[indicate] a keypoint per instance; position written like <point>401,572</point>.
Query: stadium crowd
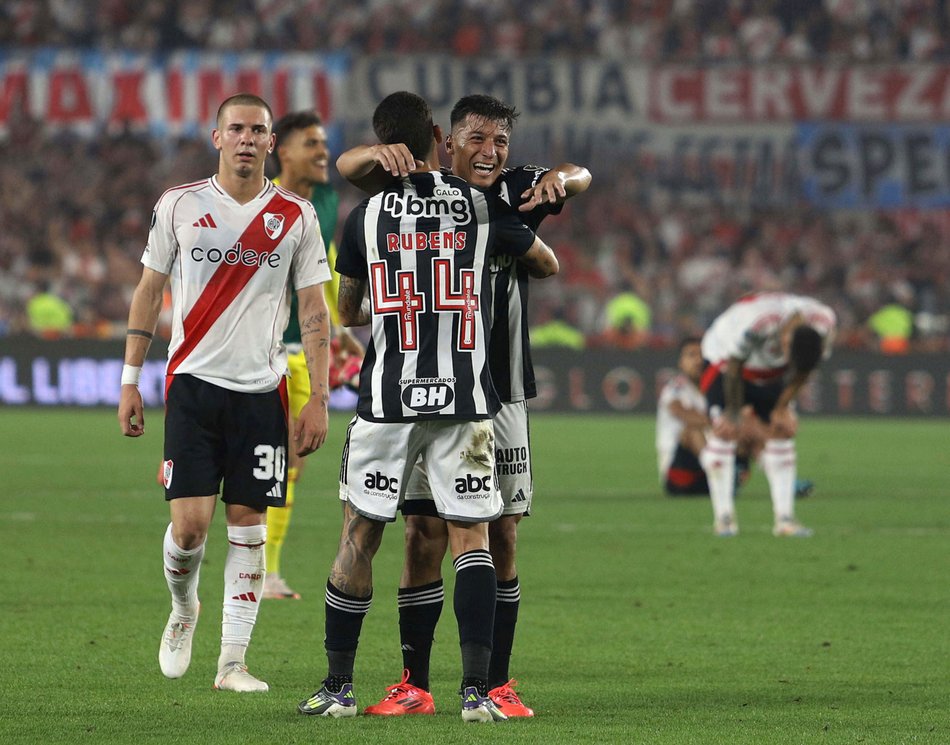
<point>641,264</point>
<point>647,30</point>
<point>75,215</point>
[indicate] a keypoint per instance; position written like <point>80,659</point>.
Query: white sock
<point>181,574</point>
<point>243,586</point>
<point>779,465</point>
<point>718,460</point>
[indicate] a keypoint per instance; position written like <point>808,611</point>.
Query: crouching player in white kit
<point>681,424</point>
<point>422,248</point>
<point>235,246</point>
<point>760,351</point>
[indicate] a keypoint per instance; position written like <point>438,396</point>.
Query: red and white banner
<point>176,94</point>
<point>918,93</point>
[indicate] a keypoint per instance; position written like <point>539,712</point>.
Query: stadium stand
<point>75,210</point>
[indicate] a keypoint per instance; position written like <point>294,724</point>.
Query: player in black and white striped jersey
<point>421,248</point>
<point>478,145</point>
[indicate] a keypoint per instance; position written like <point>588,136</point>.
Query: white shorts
<point>458,459</point>
<point>512,465</point>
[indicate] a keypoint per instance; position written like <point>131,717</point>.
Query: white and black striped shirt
<point>423,244</point>
<point>509,355</point>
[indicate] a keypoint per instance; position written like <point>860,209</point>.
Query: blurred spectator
<point>48,314</point>
<point>893,326</point>
<point>554,330</point>
<point>627,321</point>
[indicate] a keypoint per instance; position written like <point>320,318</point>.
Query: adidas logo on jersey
<point>205,222</point>
<point>276,492</point>
<point>519,496</point>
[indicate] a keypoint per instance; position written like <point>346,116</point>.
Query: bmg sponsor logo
<point>410,205</point>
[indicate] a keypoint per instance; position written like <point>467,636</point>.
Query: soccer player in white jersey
<point>681,424</point>
<point>760,352</point>
<point>234,246</point>
<point>478,147</point>
<point>422,249</point>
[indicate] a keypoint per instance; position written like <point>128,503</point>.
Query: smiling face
<point>243,138</point>
<point>305,155</point>
<point>479,149</point>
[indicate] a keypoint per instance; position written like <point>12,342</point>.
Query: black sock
<point>475,589</point>
<point>344,621</point>
<point>419,611</point>
<point>506,618</point>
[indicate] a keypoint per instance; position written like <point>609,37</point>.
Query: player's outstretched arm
<point>143,318</point>
<point>311,427</point>
<point>372,168</point>
<point>540,260</point>
<point>556,186</point>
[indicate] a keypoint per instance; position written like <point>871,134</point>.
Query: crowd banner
<point>164,94</point>
<point>837,136</point>
<point>86,373</point>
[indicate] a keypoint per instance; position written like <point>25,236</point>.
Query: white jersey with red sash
<point>232,268</point>
<point>750,330</point>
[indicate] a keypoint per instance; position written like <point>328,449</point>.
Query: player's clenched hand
<point>131,412</point>
<point>550,189</point>
<point>311,427</point>
<point>395,159</point>
<point>783,422</point>
<point>724,428</point>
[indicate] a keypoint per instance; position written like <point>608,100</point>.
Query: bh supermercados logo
<point>273,225</point>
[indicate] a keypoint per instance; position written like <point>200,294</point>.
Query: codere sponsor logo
<point>410,205</point>
<point>237,254</point>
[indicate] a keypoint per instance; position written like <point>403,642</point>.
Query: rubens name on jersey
<point>431,241</point>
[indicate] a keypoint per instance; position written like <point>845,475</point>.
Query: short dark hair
<point>243,99</point>
<point>688,341</point>
<point>292,122</point>
<point>407,118</point>
<point>806,349</point>
<point>487,107</point>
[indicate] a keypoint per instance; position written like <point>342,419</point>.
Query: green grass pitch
<point>637,624</point>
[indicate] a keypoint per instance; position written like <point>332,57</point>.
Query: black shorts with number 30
<point>213,434</point>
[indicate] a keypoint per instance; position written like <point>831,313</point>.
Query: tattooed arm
<point>352,302</point>
<point>311,427</point>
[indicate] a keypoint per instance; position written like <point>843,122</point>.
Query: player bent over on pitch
<point>760,352</point>
<point>234,246</point>
<point>425,391</point>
